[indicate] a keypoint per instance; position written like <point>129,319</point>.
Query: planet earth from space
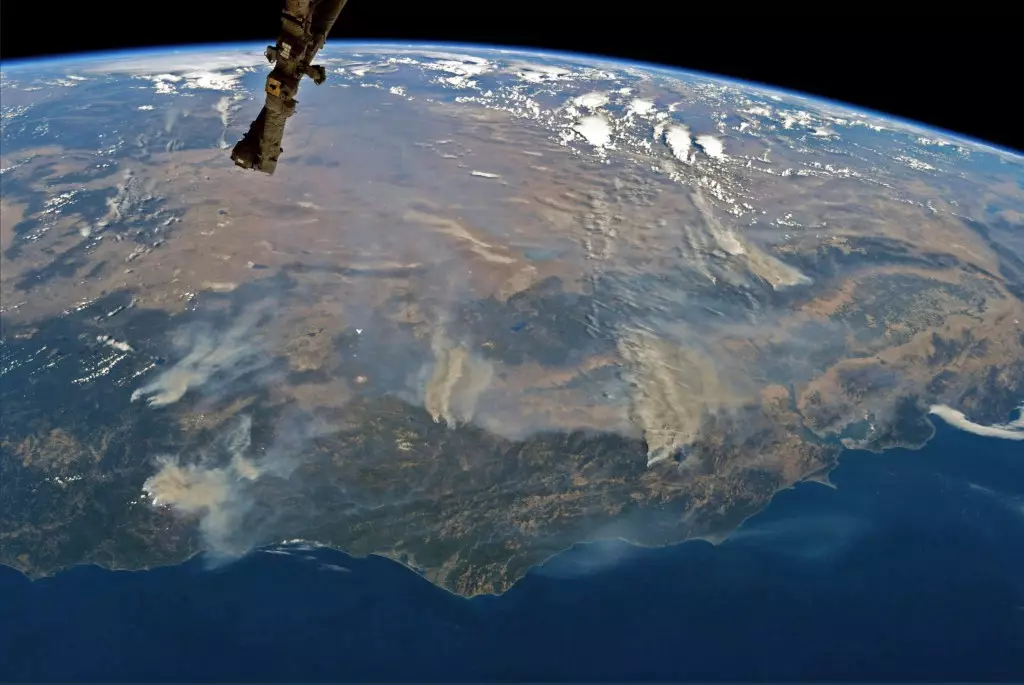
<point>492,304</point>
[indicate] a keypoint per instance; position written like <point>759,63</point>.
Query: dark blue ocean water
<point>912,568</point>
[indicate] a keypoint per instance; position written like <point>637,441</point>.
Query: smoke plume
<point>1014,430</point>
<point>217,358</point>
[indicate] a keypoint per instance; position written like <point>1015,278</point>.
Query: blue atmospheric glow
<point>91,57</point>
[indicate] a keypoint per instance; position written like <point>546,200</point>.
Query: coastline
<point>821,477</point>
<point>905,556</point>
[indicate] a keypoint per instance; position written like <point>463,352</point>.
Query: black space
<point>941,73</point>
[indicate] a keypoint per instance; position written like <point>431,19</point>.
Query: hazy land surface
<point>466,337</point>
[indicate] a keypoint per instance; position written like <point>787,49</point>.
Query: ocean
<point>911,567</point>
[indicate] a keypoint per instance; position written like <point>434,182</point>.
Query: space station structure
<point>304,28</point>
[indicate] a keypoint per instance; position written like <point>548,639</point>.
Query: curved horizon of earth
<point>493,303</point>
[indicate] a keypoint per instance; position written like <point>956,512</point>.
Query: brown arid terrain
<point>456,335</point>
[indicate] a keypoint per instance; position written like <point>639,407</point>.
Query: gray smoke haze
<point>216,360</point>
<point>763,265</point>
<point>1013,430</point>
<point>589,558</point>
<point>808,538</point>
<point>215,493</point>
<point>673,387</point>
<point>1013,503</point>
<point>456,382</point>
<point>217,486</point>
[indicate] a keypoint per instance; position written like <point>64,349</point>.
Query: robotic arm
<point>304,28</point>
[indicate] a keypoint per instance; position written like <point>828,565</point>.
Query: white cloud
<point>712,146</point>
<point>177,63</point>
<point>641,106</point>
<point>539,73</point>
<point>678,140</point>
<point>596,130</point>
<point>591,100</point>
